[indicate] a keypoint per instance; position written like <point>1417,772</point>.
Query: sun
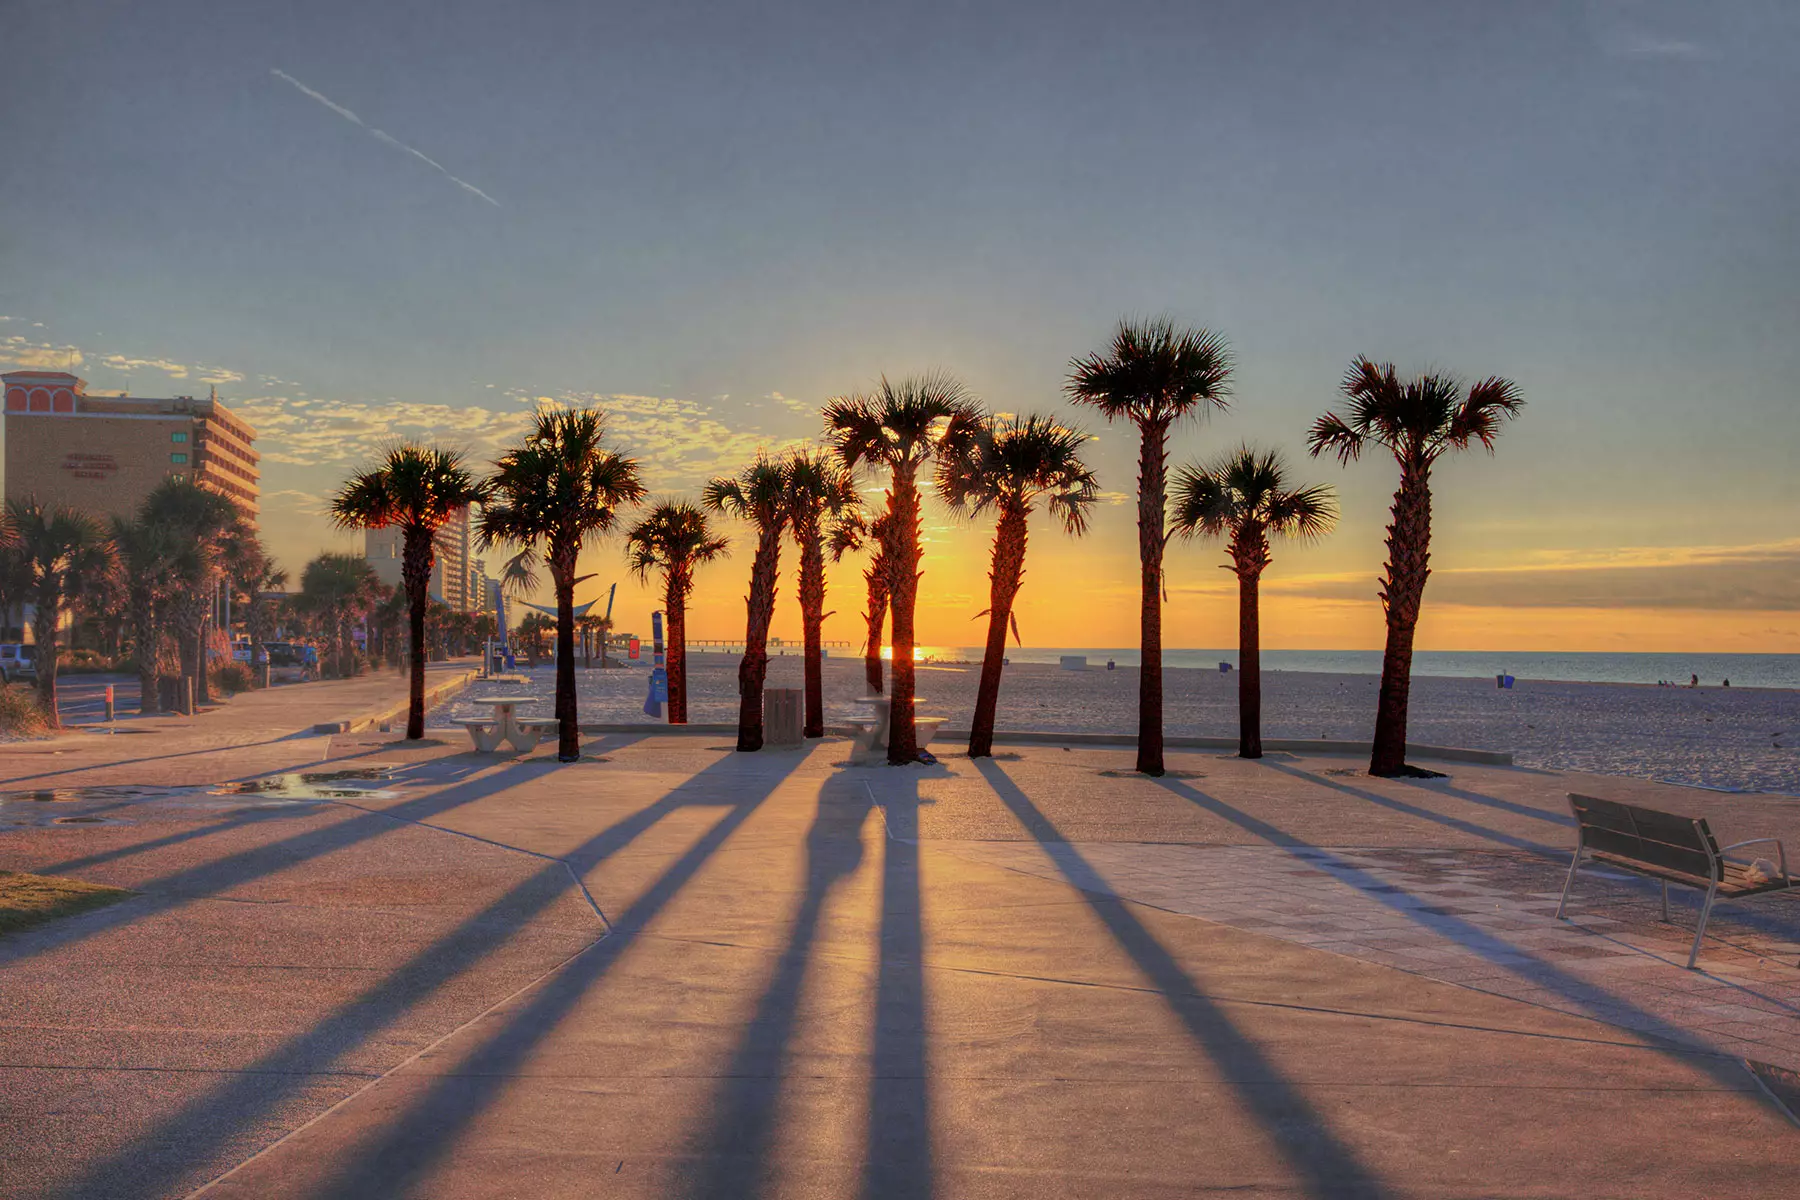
<point>887,654</point>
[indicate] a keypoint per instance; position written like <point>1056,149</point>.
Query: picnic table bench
<point>871,742</point>
<point>522,733</point>
<point>1672,849</point>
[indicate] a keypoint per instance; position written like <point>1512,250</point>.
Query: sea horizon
<point>1562,666</point>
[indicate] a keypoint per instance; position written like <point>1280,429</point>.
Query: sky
<point>422,219</point>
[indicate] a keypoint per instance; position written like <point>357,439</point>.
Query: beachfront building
<point>104,454</point>
<point>450,571</point>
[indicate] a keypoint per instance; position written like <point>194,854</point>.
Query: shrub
<point>231,677</point>
<point>19,712</point>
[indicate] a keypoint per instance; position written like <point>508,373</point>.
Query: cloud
<point>27,355</point>
<point>1758,578</point>
<point>307,504</point>
<point>381,136</point>
<point>1644,45</point>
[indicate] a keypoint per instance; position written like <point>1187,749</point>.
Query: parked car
<point>17,661</point>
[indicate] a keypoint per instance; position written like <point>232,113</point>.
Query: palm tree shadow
<point>399,1153</point>
<point>899,1162</point>
<point>740,1130</point>
<point>1522,810</point>
<point>155,1160</point>
<point>1325,1165</point>
<point>1388,802</point>
<point>1484,943</point>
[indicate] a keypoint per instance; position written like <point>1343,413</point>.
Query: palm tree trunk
<point>415,571</point>
<point>568,740</point>
<point>1402,592</point>
<point>1249,666</point>
<point>1004,577</point>
<point>875,616</point>
<point>812,617</point>
<point>44,622</point>
<point>1152,485</point>
<point>675,604</point>
<point>903,734</point>
<point>203,692</point>
<point>144,636</point>
<point>753,669</point>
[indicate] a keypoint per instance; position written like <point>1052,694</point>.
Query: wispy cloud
<point>16,351</point>
<point>380,135</point>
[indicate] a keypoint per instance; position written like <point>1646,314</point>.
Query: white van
<point>17,661</point>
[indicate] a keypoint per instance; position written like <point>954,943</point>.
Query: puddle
<point>123,793</point>
<point>88,821</point>
<point>314,785</point>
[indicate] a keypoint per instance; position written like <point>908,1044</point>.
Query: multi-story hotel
<point>450,566</point>
<point>104,454</point>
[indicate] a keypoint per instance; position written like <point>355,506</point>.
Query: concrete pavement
<point>818,981</point>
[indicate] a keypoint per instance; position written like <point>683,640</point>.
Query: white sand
<point>1737,738</point>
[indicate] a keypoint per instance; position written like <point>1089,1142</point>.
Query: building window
<point>178,437</point>
<point>177,458</point>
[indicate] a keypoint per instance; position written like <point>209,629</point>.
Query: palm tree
<point>558,488</point>
<point>338,590</point>
<point>1246,496</point>
<point>146,555</point>
<point>757,494</point>
<point>1417,420</point>
<point>258,590</point>
<point>419,489</point>
<point>198,520</point>
<point>851,532</point>
<point>1154,376</point>
<point>673,538</point>
<point>818,488</point>
<point>902,427</point>
<point>63,553</point>
<point>1006,469</point>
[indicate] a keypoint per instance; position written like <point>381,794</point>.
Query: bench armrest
<point>1780,850</point>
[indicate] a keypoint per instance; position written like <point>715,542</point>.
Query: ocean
<point>1743,670</point>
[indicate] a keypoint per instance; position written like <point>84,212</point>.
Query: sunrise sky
<point>363,222</point>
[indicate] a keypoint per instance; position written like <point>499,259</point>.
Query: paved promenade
<point>674,971</point>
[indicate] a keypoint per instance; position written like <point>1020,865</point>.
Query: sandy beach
<point>1737,739</point>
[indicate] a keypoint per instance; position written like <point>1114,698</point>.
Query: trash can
<point>783,709</point>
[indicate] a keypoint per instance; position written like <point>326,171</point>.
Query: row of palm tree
<point>562,487</point>
<point>157,571</point>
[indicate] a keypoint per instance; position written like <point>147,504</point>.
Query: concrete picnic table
<point>872,743</point>
<point>504,726</point>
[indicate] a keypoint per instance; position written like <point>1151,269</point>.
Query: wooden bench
<point>1670,848</point>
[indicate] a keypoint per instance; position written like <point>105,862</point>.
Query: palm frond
<point>1154,373</point>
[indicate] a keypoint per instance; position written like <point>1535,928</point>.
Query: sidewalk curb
<point>433,695</point>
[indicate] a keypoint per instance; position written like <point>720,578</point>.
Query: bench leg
<point>1700,931</point>
<point>1568,883</point>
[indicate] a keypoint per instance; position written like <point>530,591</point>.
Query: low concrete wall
<point>1492,758</point>
<point>435,694</point>
<point>945,737</point>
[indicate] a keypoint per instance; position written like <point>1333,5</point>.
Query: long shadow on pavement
<point>1411,810</point>
<point>158,1158</point>
<point>1604,1005</point>
<point>253,816</point>
<point>210,878</point>
<point>740,1130</point>
<point>1324,1164</point>
<point>403,1150</point>
<point>898,1164</point>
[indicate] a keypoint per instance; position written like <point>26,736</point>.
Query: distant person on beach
<point>1693,681</point>
<point>1728,683</point>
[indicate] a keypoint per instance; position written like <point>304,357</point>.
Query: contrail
<point>389,139</point>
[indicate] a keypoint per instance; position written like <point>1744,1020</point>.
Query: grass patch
<point>19,712</point>
<point>27,900</point>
